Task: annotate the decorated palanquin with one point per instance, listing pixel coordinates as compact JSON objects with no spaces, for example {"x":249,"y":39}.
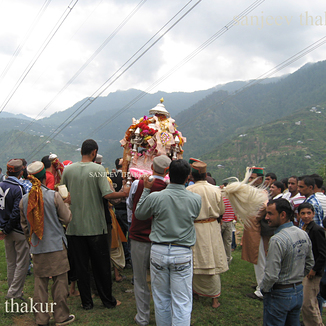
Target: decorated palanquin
{"x":149,"y":137}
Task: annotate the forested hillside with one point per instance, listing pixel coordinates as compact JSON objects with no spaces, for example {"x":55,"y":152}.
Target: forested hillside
{"x":294,"y":145}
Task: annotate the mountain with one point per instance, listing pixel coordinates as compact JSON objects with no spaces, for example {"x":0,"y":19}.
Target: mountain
{"x":117,"y":116}
{"x":26,"y":144}
{"x":220,"y":115}
{"x":5,"y":115}
{"x":293,"y":145}
{"x":116,"y":101}
{"x":114,"y":111}
{"x":207,"y":118}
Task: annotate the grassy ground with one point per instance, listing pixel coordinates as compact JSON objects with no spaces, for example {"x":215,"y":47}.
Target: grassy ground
{"x":235,"y":309}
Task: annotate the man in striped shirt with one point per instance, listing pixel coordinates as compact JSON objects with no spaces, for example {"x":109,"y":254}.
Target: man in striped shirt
{"x":294,"y":197}
{"x":227,"y":221}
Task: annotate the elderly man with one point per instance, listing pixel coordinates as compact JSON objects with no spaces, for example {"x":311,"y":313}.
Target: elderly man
{"x":208,"y":264}
{"x":288,"y":261}
{"x":43,"y":214}
{"x":174,"y":210}
{"x":17,"y":249}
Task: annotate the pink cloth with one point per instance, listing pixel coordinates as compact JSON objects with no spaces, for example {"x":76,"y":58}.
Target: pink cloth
{"x":137,"y":173}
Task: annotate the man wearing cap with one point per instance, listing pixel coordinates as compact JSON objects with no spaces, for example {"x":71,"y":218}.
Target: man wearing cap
{"x":43,"y":214}
{"x":17,"y":249}
{"x":208,"y":264}
{"x":140,"y":242}
{"x":254,"y":240}
{"x":174,"y":210}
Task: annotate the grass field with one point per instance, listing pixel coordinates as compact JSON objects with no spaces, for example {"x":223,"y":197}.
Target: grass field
{"x":235,"y":309}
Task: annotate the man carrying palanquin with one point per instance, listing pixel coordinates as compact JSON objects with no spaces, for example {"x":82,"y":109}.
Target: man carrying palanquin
{"x":208,"y":264}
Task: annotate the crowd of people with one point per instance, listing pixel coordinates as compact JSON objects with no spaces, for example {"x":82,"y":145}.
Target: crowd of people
{"x":80,"y":223}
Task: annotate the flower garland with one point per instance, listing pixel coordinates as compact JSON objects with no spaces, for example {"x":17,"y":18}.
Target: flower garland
{"x":148,"y":136}
{"x":145,"y":131}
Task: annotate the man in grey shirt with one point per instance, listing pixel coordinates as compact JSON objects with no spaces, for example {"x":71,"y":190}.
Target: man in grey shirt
{"x":174,"y":210}
{"x":288,"y":261}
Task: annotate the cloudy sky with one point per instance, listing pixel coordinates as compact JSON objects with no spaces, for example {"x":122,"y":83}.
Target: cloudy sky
{"x":42,"y":72}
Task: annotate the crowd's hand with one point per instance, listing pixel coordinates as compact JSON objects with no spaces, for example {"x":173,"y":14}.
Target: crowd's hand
{"x":126,"y":190}
{"x":148,"y":181}
{"x":2,"y":235}
{"x":68,"y":199}
{"x":311,"y":275}
{"x":142,"y":177}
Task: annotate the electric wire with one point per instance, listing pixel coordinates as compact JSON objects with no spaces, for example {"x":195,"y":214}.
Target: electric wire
{"x":262,"y":77}
{"x":267,"y":74}
{"x":223,"y":30}
{"x":102,"y":46}
{"x":25,"y":38}
{"x":88,"y":61}
{"x":87,"y":102}
{"x":17,"y":136}
{"x":41,"y":50}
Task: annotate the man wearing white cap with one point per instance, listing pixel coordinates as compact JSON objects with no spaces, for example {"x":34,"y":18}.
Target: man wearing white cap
{"x":140,"y":242}
{"x":43,"y":214}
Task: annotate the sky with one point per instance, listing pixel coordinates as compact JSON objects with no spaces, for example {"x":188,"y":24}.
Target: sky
{"x":42,"y":71}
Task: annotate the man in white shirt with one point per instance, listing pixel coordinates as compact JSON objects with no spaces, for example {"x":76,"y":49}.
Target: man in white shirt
{"x":293,"y":196}
{"x":276,"y":190}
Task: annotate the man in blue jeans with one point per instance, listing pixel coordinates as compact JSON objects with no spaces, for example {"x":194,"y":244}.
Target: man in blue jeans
{"x":174,"y":210}
{"x":288,"y":261}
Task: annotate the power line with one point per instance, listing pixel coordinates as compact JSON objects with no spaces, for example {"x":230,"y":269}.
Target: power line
{"x":223,"y":30}
{"x":87,"y":102}
{"x":88,"y":61}
{"x":287,"y":62}
{"x":262,"y":77}
{"x":93,"y":56}
{"x":41,"y":50}
{"x":25,"y":38}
